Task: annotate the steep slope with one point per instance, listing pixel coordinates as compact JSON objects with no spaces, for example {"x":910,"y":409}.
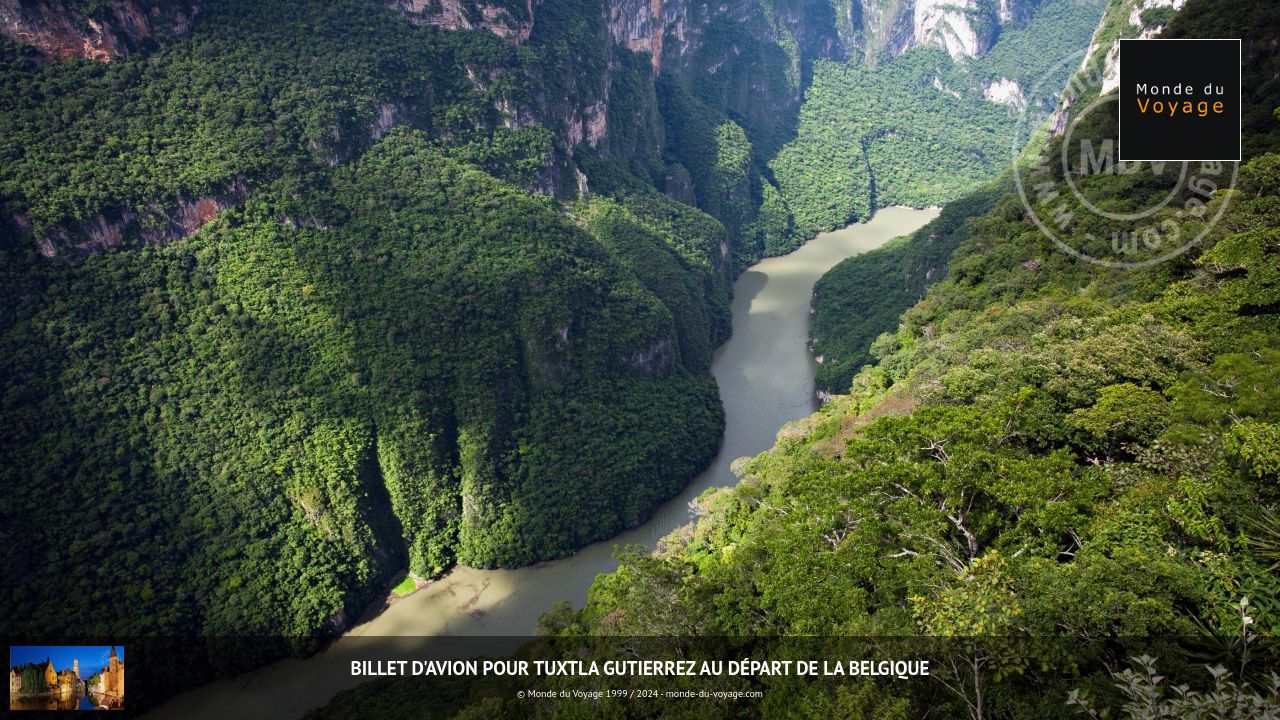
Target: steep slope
{"x":693,"y":99}
{"x":330,"y":401}
{"x":862,"y":297}
{"x":102,"y":31}
{"x":264,"y":344}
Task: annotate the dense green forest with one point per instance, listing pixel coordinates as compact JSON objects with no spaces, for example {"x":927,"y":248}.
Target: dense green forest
{"x":1060,"y":466}
{"x":912,"y":130}
{"x":249,"y":391}
{"x":312,"y":293}
{"x":861,"y":298}
{"x":864,"y":296}
{"x":380,"y":352}
{"x":269,"y":91}
{"x":886,"y":136}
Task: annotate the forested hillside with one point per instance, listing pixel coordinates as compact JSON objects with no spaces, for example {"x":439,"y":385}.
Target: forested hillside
{"x":255,"y":328}
{"x":265,"y":345}
{"x":932,"y":144}
{"x":1059,"y":465}
{"x":255,"y":396}
{"x":864,"y":296}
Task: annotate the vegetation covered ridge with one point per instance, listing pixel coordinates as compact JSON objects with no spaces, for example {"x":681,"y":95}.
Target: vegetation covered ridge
{"x":377,"y":350}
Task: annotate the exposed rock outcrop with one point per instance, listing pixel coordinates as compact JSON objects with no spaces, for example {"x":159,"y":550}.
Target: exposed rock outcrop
{"x":108,"y":229}
{"x":1099,"y":72}
{"x":756,"y":51}
{"x":1145,"y":30}
{"x":60,"y":33}
{"x":644,"y":25}
{"x":1006,"y":92}
{"x":883,"y":29}
{"x":508,"y":21}
{"x":386,"y":119}
{"x":949,"y":24}
{"x":652,"y":360}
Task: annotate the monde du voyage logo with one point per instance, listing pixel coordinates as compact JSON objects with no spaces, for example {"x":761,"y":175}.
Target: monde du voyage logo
{"x":1180,"y":100}
{"x":1143,"y":166}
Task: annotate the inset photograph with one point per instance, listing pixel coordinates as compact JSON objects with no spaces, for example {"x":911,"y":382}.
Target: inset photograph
{"x":66,"y":677}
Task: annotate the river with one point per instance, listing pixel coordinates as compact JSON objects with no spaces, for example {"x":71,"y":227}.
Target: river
{"x":765,"y":374}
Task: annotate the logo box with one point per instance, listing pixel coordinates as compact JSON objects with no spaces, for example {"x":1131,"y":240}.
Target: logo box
{"x":1180,"y":100}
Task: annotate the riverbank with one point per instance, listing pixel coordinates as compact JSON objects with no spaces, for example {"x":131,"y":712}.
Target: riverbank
{"x":407,"y":586}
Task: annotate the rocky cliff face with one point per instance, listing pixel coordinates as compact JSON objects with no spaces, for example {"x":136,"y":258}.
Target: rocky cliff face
{"x":510,"y":20}
{"x":677,"y":33}
{"x":60,"y":31}
{"x":961,"y":28}
{"x":674,"y":31}
{"x":1100,"y":70}
{"x":757,"y":51}
{"x":1141,"y":25}
{"x":163,"y":224}
{"x":879,"y":30}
